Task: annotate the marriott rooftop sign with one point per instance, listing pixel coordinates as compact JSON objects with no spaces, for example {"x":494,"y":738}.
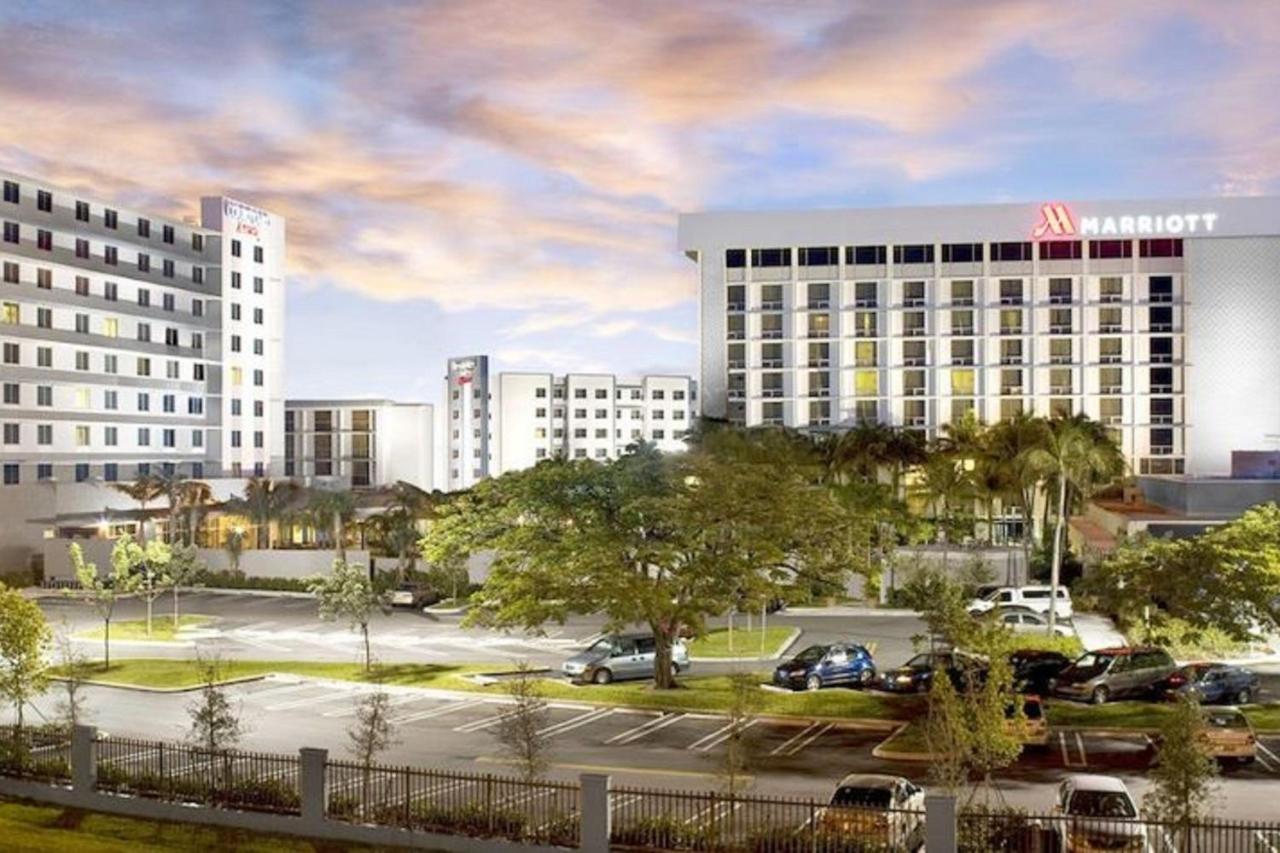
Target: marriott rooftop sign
{"x":1058,"y":221}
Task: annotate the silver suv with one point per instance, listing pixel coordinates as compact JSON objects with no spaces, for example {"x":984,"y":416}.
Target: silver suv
{"x":619,"y":657}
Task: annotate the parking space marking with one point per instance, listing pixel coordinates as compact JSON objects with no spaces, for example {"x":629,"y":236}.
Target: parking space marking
{"x":576,"y":722}
{"x":644,"y":729}
{"x":807,"y":736}
{"x":281,"y":690}
{"x":484,"y":723}
{"x":717,"y":812}
{"x":438,"y":711}
{"x":1263,"y":753}
{"x":720,"y":735}
{"x":351,"y":710}
{"x":333,"y":696}
{"x":1067,"y":759}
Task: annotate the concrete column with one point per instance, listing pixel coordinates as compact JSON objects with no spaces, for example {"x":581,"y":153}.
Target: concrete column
{"x":84,"y":759}
{"x":596,"y":816}
{"x":940,"y":823}
{"x":311,"y":783}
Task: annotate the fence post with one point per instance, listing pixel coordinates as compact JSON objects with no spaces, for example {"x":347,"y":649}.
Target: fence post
{"x":84,"y":759}
{"x":311,"y":783}
{"x":594,"y":813}
{"x":940,"y":823}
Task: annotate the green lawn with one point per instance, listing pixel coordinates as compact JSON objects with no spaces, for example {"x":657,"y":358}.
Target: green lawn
{"x":745,"y":643}
{"x":34,"y":828}
{"x":136,"y":629}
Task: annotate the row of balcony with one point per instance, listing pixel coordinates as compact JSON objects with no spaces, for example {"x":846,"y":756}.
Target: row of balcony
{"x":917,"y":302}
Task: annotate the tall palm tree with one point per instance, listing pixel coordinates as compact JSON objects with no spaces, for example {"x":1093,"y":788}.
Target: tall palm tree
{"x":1075,"y":456}
{"x":335,"y":509}
{"x":144,"y":490}
{"x":194,"y":496}
{"x":861,"y":450}
{"x":906,"y":449}
{"x":1011,"y":441}
{"x":944,"y":484}
{"x":264,"y":501}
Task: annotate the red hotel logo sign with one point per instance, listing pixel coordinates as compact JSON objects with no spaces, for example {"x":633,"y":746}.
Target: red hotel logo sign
{"x":1055,"y":221}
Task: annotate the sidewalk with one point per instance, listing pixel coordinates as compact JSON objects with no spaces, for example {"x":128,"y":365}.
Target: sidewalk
{"x":1097,"y":632}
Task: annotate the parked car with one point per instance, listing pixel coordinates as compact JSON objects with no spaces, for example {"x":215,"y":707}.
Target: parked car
{"x":1228,"y":737}
{"x":916,"y":675}
{"x":617,"y":657}
{"x":1212,"y":682}
{"x":1024,"y":620}
{"x":876,"y":808}
{"x":1033,"y":669}
{"x":822,"y":666}
{"x":413,"y":595}
{"x":1034,"y":728}
{"x":1032,"y":597}
{"x":1100,"y":676}
{"x":1097,"y":813}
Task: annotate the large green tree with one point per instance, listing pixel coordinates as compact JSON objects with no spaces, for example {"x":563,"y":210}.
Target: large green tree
{"x":24,"y":642}
{"x":663,"y":541}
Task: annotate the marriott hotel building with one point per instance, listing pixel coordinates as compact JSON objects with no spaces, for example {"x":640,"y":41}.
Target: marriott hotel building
{"x":1160,"y":318}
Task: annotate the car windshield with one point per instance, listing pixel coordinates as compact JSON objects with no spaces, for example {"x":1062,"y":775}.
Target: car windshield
{"x":811,"y":654}
{"x":919,"y":662}
{"x":1092,"y":663}
{"x":994,"y":595}
{"x":1195,"y":671}
{"x":1101,"y":804}
{"x":605,"y":644}
{"x":870,"y":798}
{"x":1225,"y":720}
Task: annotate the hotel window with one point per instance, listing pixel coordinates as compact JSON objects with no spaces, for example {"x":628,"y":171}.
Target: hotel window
{"x":1011,"y":321}
{"x":82,"y":324}
{"x":1111,"y":288}
{"x":735,"y":258}
{"x":819,"y":325}
{"x":44,"y":278}
{"x":1160,"y":318}
{"x":144,"y":227}
{"x":82,"y":472}
{"x":921,"y":253}
{"x":197,"y":372}
{"x":771,"y":297}
{"x":962,"y":352}
{"x":1011,"y":382}
{"x":770,"y":257}
{"x":11,"y":233}
{"x":866,"y":255}
{"x":82,"y":360}
{"x":110,"y":218}
{"x":1110,"y":350}
{"x":1060,"y":290}
{"x":144,"y":262}
{"x":110,"y":364}
{"x":110,"y":327}
{"x":1162,"y":350}
{"x":1010,"y":291}
{"x":44,"y":434}
{"x":962,"y":383}
{"x":1111,"y":380}
{"x":913,"y":293}
{"x":197,"y":275}
{"x":12,"y":475}
{"x":110,"y":255}
{"x":144,"y":438}
{"x":258,"y":378}
{"x":962,"y":292}
{"x":257,"y":254}
{"x":961,"y":253}
{"x":12,"y":273}
{"x":44,"y":240}
{"x":12,"y":313}
{"x":1060,"y":321}
{"x":144,"y":332}
{"x":44,"y":201}
{"x":44,"y":356}
{"x":1060,"y":351}
{"x":866,"y":411}
{"x":1160,"y":288}
{"x":110,"y":291}
{"x":11,"y":354}
{"x":109,"y":436}
{"x":1010,"y":408}
{"x":82,"y":398}
{"x":11,"y":192}
{"x":82,"y":211}
{"x":235,"y":248}
{"x":1161,"y":380}
{"x":1110,"y":320}
{"x":167,"y":268}
{"x":144,"y":367}
{"x":1060,"y":380}
{"x":111,"y":399}
{"x":819,"y":256}
{"x":169,"y":403}
{"x":235,"y":310}
{"x":12,"y":393}
{"x":1111,"y":410}
{"x":197,"y":307}
{"x":82,"y":247}
{"x":1110,"y":249}
{"x":1010,"y":251}
{"x":914,"y":353}
{"x":962,"y":322}
{"x":44,"y":318}
{"x":257,"y":284}
{"x":197,"y":242}
{"x":235,"y":343}
{"x":866,"y":383}
{"x":44,"y":395}
{"x":235,"y":281}
{"x":257,"y":316}
{"x":1060,"y":250}
{"x":1160,"y":248}
{"x":82,"y":436}
{"x":864,"y":324}
{"x":82,"y":285}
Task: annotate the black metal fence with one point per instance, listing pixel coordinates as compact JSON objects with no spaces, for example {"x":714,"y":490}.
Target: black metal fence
{"x":648,"y":819}
{"x":40,"y":753}
{"x":480,"y":805}
{"x":1011,"y":832}
{"x":252,"y":781}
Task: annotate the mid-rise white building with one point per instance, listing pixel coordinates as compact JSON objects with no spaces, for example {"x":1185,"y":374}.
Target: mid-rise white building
{"x":468,"y":426}
{"x":134,"y":343}
{"x":1160,"y":318}
{"x":359,"y":443}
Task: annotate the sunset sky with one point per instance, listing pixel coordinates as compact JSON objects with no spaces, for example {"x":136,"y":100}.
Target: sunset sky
{"x":504,"y":177}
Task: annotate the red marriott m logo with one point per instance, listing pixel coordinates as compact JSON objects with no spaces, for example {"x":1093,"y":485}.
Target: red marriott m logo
{"x":1055,"y":221}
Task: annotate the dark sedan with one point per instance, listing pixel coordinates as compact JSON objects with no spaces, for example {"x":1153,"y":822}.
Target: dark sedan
{"x":820,"y":666}
{"x":916,"y":675}
{"x":1033,"y":669}
{"x":1212,"y":682}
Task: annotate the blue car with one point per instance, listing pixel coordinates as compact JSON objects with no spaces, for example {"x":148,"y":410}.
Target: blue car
{"x":1213,"y":682}
{"x":821,"y":666}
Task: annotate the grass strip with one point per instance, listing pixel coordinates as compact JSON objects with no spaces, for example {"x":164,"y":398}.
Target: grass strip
{"x":745,"y":644}
{"x":161,"y":628}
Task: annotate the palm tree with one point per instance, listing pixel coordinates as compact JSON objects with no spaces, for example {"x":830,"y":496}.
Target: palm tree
{"x":860,"y":451}
{"x":144,"y":490}
{"x":944,"y":483}
{"x":194,"y":496}
{"x":906,"y":449}
{"x":335,"y":509}
{"x":1010,"y":441}
{"x":264,"y":501}
{"x":1075,"y":456}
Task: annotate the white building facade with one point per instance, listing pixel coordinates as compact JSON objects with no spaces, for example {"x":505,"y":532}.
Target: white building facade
{"x":134,"y":343}
{"x":468,"y":425}
{"x":359,"y":443}
{"x":1159,"y":318}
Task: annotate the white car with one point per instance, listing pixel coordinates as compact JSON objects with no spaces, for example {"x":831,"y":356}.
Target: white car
{"x":1031,"y":597}
{"x":1023,"y":620}
{"x":1097,"y":813}
{"x":876,"y":807}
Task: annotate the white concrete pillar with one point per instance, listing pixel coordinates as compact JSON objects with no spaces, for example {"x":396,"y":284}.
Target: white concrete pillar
{"x":84,"y":759}
{"x":311,"y":783}
{"x":596,"y":815}
{"x":940,"y":823}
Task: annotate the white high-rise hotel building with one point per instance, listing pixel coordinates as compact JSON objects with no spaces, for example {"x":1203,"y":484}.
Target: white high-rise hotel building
{"x":1160,"y":318}
{"x":134,"y":343}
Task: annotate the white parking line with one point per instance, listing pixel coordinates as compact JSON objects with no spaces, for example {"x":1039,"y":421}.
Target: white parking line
{"x":645,"y":729}
{"x":717,"y":812}
{"x":1067,"y":760}
{"x":719,"y":736}
{"x":576,"y":722}
{"x":477,"y":725}
{"x":281,"y":691}
{"x":351,"y":709}
{"x":807,"y":736}
{"x":333,"y":696}
{"x":1084,"y":756}
{"x":438,"y":711}
{"x":1265,"y":753}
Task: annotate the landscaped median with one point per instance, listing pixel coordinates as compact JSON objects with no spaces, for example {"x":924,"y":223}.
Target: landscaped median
{"x":723,"y":644}
{"x":162,"y":629}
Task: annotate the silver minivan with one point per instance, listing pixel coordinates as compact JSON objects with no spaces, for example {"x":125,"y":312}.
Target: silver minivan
{"x":617,"y":657}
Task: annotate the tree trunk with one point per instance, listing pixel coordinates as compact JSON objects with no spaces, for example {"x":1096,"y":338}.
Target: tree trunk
{"x":1056,"y":568}
{"x":150,"y":600}
{"x":339,"y":545}
{"x":106,"y":643}
{"x":175,"y":607}
{"x":663,"y":677}
{"x":368,"y":655}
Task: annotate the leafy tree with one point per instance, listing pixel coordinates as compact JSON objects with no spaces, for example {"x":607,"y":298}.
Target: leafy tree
{"x":1075,"y":455}
{"x":659,"y":540}
{"x":735,"y":759}
{"x":146,"y":567}
{"x":396,"y":532}
{"x":194,"y":496}
{"x":234,"y":546}
{"x":101,"y":591}
{"x":1184,"y":784}
{"x":24,"y":641}
{"x":336,"y":509}
{"x":370,"y":734}
{"x":521,"y":728}
{"x":451,"y":575}
{"x":215,"y":721}
{"x":264,"y":501}
{"x":183,"y":570}
{"x":346,"y":594}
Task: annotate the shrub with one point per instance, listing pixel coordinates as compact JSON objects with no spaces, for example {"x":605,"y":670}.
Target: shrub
{"x":1185,"y":641}
{"x":663,"y":833}
{"x":469,"y":819}
{"x":272,"y":795}
{"x":238,"y":580}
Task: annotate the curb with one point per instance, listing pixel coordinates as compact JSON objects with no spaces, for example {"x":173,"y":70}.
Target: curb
{"x":843,"y":610}
{"x":880,"y":751}
{"x":781,"y":650}
{"x":447,"y":611}
{"x":263,"y":593}
{"x":245,"y":679}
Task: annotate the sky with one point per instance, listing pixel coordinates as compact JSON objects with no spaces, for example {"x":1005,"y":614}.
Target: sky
{"x":504,"y":176}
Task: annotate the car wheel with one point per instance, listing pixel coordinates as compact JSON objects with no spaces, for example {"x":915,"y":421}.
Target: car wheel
{"x":1244,"y":697}
{"x":1099,"y":696}
{"x":602,"y":676}
{"x":865,"y":677}
{"x":813,"y":682}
